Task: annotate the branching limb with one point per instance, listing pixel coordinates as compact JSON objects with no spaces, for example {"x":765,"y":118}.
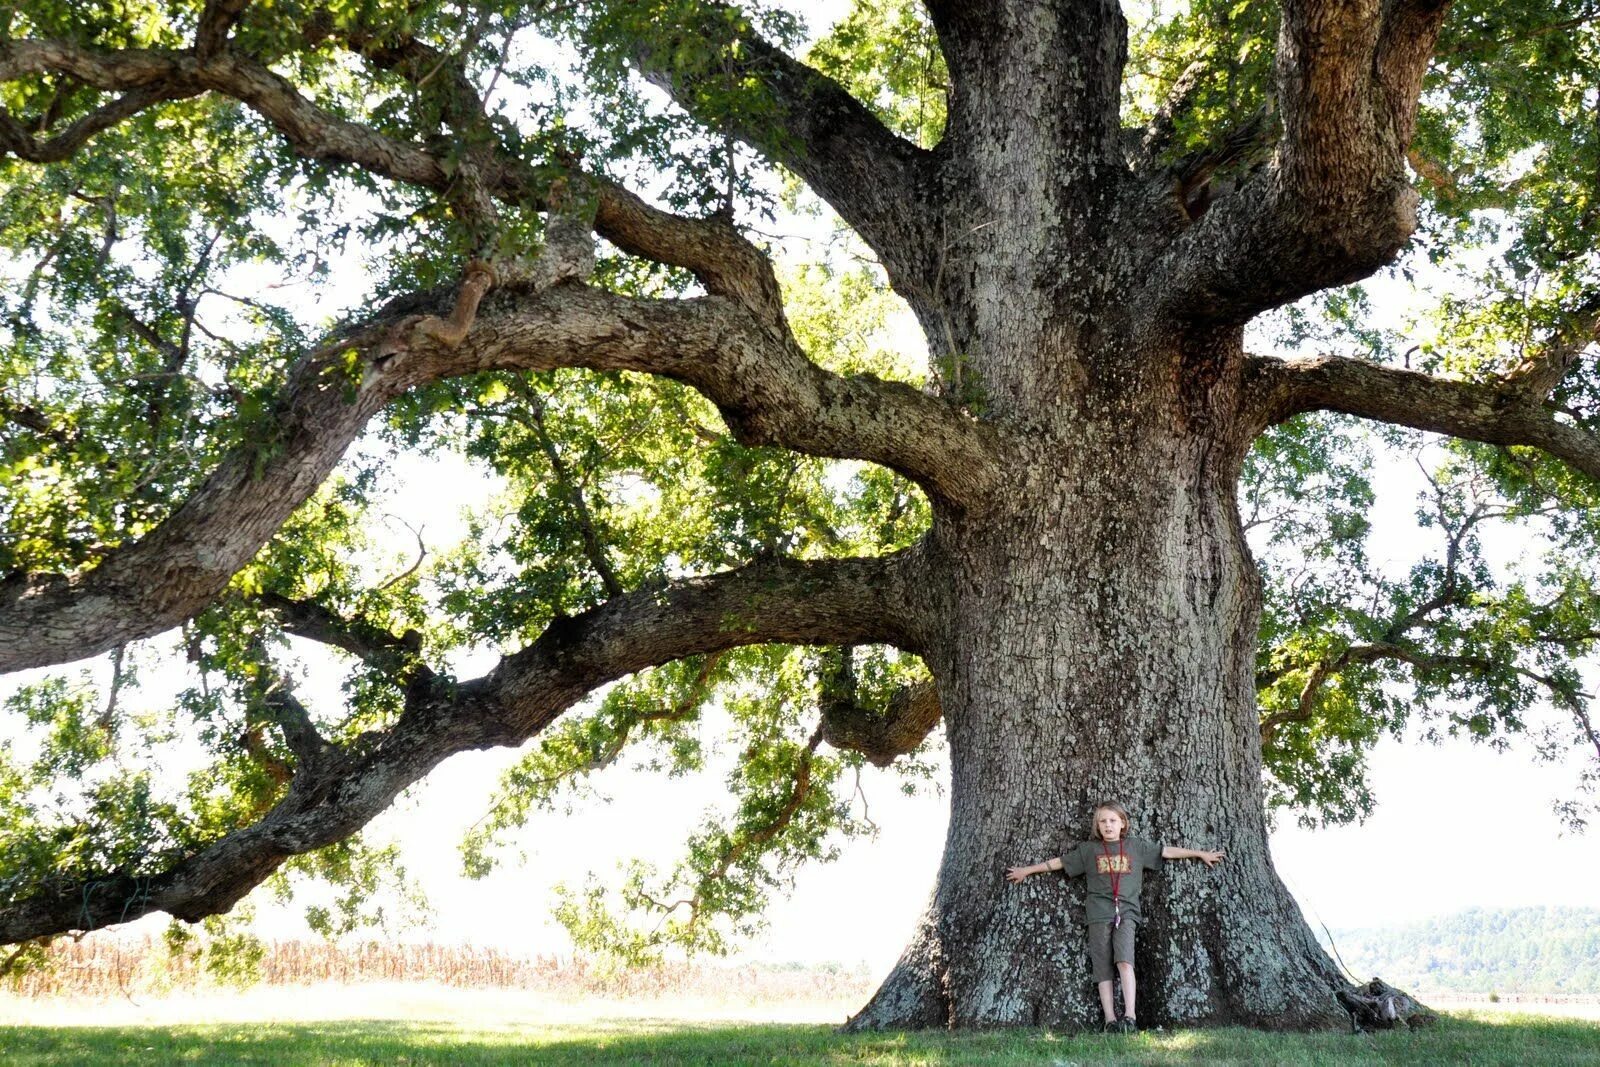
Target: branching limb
{"x":877,"y":182}
{"x":766,"y":388}
{"x":1496,"y":413}
{"x":398,"y":656}
{"x":1335,"y":203}
{"x":737,"y":847}
{"x":270,"y":698}
{"x":146,"y":586}
{"x":18,"y":141}
{"x":770,"y":601}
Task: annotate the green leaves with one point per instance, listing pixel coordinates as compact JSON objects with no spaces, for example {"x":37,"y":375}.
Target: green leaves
{"x":885,"y":52}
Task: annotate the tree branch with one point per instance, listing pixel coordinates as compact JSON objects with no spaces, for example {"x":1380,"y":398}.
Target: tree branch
{"x":24,"y":145}
{"x":882,"y":734}
{"x":878,"y":182}
{"x":216,"y":23}
{"x":1335,"y":203}
{"x":858,"y":601}
{"x":593,"y":546}
{"x":398,"y":656}
{"x":765,"y":387}
{"x":768,"y":391}
{"x":747,"y":363}
{"x":1492,"y":413}
{"x":145,"y":586}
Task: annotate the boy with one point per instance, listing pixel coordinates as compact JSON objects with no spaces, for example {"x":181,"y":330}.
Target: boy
{"x":1114,"y":865}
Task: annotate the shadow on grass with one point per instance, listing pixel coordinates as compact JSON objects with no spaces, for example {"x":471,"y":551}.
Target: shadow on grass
{"x":1460,"y":1039}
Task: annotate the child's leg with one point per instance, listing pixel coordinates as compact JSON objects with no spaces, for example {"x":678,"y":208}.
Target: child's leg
{"x":1122,"y":952}
{"x":1100,"y":963}
{"x":1128,"y":987}
{"x":1105,"y":1002}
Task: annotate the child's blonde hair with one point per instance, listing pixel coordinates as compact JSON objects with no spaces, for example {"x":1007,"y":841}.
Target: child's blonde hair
{"x":1094,"y":818}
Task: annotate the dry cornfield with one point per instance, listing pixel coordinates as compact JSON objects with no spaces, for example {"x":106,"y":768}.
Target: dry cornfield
{"x":108,"y":966}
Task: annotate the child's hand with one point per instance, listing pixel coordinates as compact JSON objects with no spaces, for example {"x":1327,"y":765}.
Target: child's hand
{"x":1211,"y":859}
{"x":1017,"y":874}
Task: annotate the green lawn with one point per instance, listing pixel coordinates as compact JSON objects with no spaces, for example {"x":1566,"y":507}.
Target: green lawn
{"x":1460,"y":1039}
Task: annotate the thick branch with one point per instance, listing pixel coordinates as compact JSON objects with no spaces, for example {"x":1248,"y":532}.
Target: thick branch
{"x":775,"y":600}
{"x":765,"y":387}
{"x":1494,"y":414}
{"x":878,"y":182}
{"x":750,"y":366}
{"x":883,"y":734}
{"x":146,"y":586}
{"x":1335,"y":203}
{"x":273,"y":699}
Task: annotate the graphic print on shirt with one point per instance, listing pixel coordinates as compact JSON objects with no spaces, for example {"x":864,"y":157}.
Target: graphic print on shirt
{"x":1117,"y":864}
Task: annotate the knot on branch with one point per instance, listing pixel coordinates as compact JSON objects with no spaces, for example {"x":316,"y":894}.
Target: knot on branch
{"x":568,"y":253}
{"x":451,"y":331}
{"x":881,"y":734}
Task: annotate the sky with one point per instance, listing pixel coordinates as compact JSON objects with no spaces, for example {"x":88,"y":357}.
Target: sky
{"x":1456,"y":826}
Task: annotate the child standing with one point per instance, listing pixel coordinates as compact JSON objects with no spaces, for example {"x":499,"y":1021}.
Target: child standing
{"x":1113,"y":864}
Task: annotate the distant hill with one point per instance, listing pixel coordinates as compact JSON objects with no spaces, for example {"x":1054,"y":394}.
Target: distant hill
{"x":1507,"y":950}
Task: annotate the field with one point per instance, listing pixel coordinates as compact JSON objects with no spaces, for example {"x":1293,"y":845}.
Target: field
{"x":415,"y":1024}
{"x":115,"y":1003}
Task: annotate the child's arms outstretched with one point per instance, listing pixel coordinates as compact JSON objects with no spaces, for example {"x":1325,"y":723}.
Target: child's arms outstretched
{"x":1018,"y":874}
{"x":1211,"y":859}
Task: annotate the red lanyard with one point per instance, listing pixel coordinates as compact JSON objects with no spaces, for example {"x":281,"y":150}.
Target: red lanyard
{"x":1116,"y":876}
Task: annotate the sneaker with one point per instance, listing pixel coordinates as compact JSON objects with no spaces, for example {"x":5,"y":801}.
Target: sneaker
{"x":1129,"y":1026}
{"x":1111,"y":1026}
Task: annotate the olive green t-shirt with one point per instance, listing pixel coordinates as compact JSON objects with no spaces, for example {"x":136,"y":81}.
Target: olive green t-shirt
{"x":1097,"y":861}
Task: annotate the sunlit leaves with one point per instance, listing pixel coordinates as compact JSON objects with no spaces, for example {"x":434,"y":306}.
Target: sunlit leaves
{"x":887,"y":54}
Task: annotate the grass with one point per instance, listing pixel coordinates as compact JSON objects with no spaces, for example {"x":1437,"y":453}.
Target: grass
{"x":1466,"y":1038}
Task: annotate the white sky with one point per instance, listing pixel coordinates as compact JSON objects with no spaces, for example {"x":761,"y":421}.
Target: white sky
{"x":1457,"y":826}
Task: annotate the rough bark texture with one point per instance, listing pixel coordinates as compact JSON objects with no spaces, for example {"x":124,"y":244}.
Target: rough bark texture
{"x":1115,"y":661}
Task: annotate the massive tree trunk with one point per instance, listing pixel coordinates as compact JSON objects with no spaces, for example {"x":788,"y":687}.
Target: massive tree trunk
{"x":1100,"y":621}
{"x":1100,"y":646}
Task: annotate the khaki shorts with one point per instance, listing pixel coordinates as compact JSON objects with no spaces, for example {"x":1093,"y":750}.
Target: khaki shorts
{"x":1107,"y":944}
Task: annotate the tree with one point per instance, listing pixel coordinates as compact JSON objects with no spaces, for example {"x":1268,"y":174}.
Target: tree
{"x":1041,"y":545}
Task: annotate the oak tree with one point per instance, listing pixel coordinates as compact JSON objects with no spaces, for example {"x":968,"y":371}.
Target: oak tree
{"x":1133,"y":241}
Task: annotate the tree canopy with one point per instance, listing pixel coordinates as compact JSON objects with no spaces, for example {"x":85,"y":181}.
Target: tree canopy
{"x":642,"y":265}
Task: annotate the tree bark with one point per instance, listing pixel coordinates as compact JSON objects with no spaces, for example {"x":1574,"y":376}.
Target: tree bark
{"x":1115,"y":660}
